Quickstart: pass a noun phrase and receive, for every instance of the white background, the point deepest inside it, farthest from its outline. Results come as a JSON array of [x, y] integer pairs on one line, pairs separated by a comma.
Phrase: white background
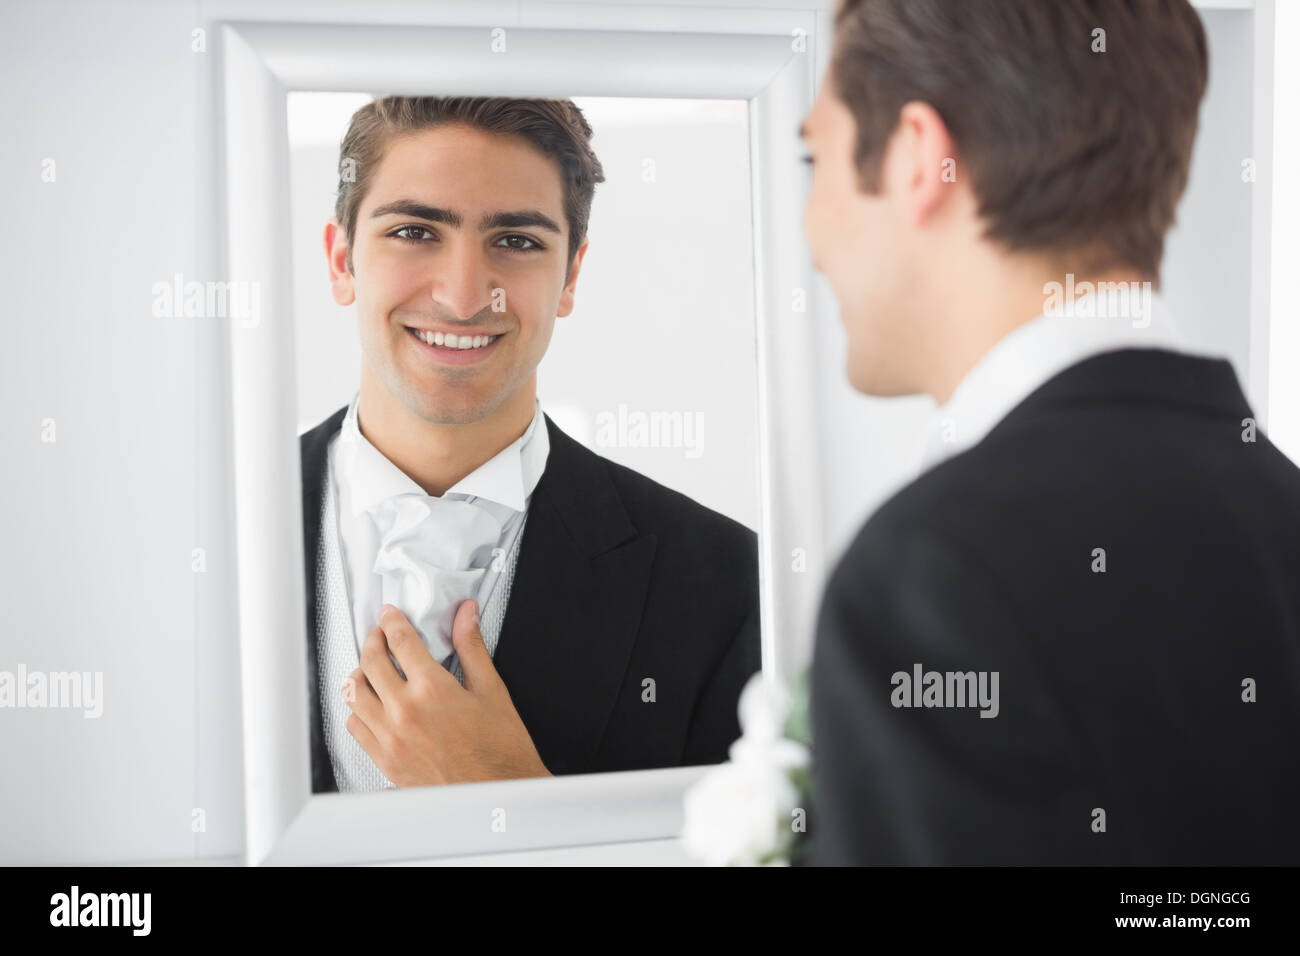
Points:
[[97, 530]]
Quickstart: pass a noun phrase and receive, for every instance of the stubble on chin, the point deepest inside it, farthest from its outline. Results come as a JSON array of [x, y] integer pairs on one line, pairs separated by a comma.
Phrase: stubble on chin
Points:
[[455, 402], [446, 409]]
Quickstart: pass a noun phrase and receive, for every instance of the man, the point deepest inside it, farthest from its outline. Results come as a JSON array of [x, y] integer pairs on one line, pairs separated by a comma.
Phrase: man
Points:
[[619, 618], [1075, 638]]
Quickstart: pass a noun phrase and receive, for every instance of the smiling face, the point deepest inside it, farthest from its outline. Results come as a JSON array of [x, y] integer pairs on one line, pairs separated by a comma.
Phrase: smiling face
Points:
[[461, 238]]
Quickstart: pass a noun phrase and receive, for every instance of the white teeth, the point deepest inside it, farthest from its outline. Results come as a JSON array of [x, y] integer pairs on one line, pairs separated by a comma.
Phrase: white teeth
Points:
[[456, 341]]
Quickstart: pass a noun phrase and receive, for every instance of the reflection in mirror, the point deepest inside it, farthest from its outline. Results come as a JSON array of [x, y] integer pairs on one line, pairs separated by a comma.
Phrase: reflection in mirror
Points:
[[528, 413]]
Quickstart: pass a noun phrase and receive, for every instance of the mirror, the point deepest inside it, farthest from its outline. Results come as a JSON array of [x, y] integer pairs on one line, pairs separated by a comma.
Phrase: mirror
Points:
[[588, 475], [602, 374]]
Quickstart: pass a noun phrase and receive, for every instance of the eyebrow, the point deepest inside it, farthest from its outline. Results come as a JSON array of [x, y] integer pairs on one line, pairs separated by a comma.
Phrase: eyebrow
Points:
[[803, 130], [515, 218]]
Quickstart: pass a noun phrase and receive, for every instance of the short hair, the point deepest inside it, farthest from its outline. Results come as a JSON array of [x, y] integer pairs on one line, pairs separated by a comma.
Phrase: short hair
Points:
[[555, 127], [1075, 142]]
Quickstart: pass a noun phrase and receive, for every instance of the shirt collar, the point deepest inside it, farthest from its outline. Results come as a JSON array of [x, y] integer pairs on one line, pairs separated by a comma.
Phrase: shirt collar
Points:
[[1028, 357], [508, 477]]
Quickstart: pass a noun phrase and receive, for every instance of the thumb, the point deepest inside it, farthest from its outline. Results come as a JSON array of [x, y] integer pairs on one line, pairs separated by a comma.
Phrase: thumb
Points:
[[470, 649]]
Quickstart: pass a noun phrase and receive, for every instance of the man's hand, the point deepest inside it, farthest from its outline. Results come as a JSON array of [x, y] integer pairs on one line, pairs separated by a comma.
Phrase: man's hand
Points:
[[427, 729]]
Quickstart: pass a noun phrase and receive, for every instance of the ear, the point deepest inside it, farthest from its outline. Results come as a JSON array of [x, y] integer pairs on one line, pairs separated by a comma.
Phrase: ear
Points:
[[336, 255], [922, 164], [566, 297]]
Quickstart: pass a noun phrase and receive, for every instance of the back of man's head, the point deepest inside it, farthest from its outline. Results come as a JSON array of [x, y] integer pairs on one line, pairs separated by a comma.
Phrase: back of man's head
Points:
[[1074, 119], [970, 154]]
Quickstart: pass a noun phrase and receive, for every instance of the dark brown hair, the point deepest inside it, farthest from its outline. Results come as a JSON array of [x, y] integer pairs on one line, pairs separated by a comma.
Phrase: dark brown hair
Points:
[[555, 127], [1068, 151]]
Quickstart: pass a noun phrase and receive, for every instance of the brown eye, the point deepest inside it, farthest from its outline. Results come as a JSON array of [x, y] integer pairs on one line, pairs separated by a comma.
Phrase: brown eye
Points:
[[397, 233], [531, 243]]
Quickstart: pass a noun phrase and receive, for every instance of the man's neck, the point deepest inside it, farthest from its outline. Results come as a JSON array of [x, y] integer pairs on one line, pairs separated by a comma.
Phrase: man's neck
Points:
[[437, 456], [995, 300]]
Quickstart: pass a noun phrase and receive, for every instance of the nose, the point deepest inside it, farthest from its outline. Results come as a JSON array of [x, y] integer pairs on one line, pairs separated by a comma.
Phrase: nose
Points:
[[462, 283]]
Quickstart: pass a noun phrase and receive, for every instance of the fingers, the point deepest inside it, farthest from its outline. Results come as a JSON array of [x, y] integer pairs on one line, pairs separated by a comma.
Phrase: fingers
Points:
[[360, 696], [405, 643], [467, 637], [377, 666]]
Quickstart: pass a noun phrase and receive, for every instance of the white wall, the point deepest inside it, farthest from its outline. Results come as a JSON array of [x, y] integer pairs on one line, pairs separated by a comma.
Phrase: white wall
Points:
[[1284, 276], [97, 528]]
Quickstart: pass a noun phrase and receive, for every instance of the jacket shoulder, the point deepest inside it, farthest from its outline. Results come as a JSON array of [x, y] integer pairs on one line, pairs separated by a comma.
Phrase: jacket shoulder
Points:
[[672, 515]]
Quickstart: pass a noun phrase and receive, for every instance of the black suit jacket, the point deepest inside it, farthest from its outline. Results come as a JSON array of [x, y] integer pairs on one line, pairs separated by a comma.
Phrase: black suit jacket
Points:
[[618, 579], [1120, 691]]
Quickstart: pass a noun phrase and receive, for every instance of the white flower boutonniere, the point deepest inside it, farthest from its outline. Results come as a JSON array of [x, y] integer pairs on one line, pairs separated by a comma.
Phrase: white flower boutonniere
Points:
[[752, 810]]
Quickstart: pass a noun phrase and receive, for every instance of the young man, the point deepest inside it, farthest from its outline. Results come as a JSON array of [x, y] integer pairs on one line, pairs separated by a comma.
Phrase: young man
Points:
[[1075, 639], [619, 619]]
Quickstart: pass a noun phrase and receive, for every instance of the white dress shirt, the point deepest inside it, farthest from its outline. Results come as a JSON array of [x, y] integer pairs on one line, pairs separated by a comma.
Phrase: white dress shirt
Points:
[[364, 477], [1028, 357]]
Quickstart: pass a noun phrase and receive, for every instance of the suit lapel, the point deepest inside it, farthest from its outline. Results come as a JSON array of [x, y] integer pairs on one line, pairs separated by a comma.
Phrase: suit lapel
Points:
[[575, 606], [313, 447]]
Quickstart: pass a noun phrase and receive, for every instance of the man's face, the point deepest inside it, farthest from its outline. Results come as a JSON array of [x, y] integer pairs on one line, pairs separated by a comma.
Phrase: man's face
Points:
[[460, 232], [858, 242]]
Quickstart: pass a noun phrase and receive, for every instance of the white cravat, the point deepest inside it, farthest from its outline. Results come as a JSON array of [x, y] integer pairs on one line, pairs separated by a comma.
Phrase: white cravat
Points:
[[433, 554], [1026, 358], [426, 554]]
